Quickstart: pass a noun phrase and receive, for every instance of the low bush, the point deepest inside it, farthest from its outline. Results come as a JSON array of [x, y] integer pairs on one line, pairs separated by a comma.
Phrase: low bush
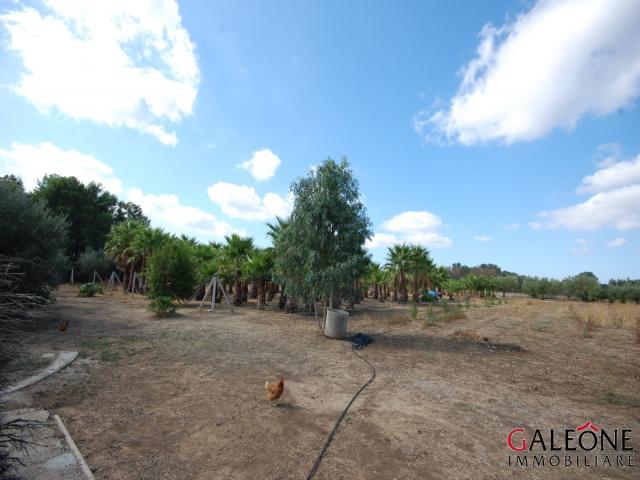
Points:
[[162, 306], [89, 290]]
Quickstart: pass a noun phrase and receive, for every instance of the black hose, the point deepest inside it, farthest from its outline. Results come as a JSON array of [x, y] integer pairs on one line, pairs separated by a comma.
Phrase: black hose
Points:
[[316, 464]]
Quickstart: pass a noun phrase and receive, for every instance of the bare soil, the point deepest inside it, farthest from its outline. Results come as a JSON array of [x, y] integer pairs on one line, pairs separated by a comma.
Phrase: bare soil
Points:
[[183, 397]]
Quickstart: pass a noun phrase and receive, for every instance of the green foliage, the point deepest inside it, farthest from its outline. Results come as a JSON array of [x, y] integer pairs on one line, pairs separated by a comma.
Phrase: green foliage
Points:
[[429, 315], [94, 260], [320, 251], [128, 211], [87, 208], [400, 259], [33, 236], [584, 286], [172, 271], [413, 310], [508, 283], [259, 264], [89, 290], [162, 306]]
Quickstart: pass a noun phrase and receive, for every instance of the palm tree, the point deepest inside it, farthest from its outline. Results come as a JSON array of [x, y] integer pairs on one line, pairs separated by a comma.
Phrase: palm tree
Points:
[[440, 277], [236, 251], [145, 241], [119, 246], [421, 267], [259, 267], [275, 231], [399, 259], [375, 277]]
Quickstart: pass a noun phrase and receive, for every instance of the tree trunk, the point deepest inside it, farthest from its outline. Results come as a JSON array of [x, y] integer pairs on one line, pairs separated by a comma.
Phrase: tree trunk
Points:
[[237, 294], [376, 293], [245, 291], [130, 282], [125, 279], [290, 306], [270, 288], [416, 290], [253, 289], [260, 294], [403, 297]]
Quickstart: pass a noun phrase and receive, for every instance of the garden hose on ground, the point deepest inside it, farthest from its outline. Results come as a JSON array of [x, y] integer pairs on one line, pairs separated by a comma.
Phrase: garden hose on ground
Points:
[[316, 464]]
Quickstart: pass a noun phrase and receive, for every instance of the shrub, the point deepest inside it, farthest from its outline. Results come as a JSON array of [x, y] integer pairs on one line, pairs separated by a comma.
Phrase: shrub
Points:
[[89, 290], [172, 271], [162, 306]]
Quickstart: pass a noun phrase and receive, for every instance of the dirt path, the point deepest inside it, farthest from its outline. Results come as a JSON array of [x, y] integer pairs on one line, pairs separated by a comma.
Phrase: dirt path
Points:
[[184, 397]]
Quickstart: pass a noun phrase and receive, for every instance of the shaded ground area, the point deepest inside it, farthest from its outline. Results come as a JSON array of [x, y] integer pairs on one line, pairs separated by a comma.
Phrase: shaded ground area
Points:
[[184, 397]]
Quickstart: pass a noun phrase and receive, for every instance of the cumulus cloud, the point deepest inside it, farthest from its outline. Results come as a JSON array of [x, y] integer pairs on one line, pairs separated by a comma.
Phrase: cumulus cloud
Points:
[[116, 63], [242, 201], [414, 227], [618, 242], [32, 162], [553, 65], [612, 176], [168, 211], [482, 238], [614, 203], [263, 164]]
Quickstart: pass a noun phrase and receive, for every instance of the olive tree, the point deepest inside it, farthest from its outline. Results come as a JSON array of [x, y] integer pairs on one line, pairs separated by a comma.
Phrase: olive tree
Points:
[[32, 236]]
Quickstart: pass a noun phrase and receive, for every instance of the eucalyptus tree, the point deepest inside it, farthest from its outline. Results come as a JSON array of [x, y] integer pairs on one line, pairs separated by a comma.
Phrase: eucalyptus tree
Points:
[[236, 250], [321, 252]]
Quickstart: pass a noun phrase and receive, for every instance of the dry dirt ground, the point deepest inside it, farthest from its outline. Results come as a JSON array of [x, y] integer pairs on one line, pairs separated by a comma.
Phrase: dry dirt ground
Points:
[[183, 397]]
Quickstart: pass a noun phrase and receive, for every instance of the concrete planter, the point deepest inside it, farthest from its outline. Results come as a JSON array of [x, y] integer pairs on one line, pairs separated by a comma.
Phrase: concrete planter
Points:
[[336, 324]]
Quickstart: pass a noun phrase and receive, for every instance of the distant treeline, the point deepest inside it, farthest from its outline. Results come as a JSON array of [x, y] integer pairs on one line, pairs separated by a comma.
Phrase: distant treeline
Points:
[[487, 279]]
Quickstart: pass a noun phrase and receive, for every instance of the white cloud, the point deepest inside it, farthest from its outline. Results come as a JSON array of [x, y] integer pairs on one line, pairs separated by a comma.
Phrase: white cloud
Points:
[[618, 242], [617, 209], [412, 221], [614, 203], [242, 201], [414, 227], [554, 64], [116, 63], [510, 226], [482, 238], [168, 211], [582, 241], [612, 176], [382, 240], [263, 164], [32, 162]]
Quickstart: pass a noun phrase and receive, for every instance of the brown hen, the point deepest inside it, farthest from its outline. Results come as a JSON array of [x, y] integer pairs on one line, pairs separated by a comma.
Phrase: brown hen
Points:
[[274, 389]]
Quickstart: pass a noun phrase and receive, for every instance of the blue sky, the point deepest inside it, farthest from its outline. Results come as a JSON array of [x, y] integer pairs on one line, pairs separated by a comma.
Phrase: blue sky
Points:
[[503, 132]]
